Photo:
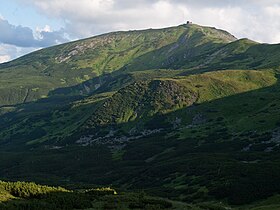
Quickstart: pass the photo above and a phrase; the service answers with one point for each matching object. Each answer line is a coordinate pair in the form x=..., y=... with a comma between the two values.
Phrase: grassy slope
x=72, y=63
x=33, y=76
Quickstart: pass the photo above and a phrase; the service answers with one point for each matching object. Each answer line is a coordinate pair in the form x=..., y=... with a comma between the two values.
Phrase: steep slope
x=189, y=50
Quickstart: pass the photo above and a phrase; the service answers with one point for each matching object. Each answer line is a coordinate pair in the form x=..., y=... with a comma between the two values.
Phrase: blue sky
x=26, y=15
x=28, y=25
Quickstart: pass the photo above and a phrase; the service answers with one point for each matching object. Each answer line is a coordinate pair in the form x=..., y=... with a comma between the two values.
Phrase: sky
x=28, y=25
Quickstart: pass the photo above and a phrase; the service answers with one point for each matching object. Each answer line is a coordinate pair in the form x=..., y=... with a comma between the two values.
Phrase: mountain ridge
x=78, y=71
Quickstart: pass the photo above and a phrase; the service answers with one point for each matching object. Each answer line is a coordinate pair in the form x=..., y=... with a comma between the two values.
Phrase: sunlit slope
x=33, y=76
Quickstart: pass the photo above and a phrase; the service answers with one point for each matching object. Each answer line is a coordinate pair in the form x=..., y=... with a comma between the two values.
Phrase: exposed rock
x=199, y=119
x=83, y=47
x=112, y=141
x=275, y=139
x=177, y=122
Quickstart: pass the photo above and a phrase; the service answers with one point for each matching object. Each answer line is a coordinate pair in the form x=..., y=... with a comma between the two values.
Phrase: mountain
x=33, y=76
x=188, y=113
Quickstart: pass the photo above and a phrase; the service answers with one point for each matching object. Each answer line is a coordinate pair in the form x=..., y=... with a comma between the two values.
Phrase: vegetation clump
x=101, y=191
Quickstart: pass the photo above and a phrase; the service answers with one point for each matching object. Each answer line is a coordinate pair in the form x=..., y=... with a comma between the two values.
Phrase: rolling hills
x=188, y=113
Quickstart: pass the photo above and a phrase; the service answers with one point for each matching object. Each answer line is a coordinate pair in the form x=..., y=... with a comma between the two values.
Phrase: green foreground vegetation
x=24, y=195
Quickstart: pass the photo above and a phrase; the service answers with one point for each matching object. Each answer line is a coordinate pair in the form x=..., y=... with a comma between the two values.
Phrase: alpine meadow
x=184, y=117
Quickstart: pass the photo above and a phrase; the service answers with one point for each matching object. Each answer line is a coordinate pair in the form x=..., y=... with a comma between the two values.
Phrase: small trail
x=26, y=95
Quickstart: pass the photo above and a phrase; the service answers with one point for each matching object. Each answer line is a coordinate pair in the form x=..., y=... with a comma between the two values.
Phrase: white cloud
x=24, y=36
x=4, y=58
x=9, y=52
x=38, y=31
x=89, y=17
x=252, y=18
x=47, y=28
